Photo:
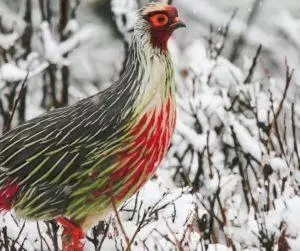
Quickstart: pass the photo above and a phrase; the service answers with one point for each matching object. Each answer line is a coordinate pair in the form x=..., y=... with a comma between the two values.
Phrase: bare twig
x=21, y=93
x=254, y=63
x=294, y=134
x=19, y=234
x=273, y=124
x=288, y=78
x=26, y=44
x=225, y=34
x=65, y=72
x=42, y=10
x=140, y=226
x=241, y=40
x=105, y=234
x=42, y=237
x=113, y=202
x=241, y=170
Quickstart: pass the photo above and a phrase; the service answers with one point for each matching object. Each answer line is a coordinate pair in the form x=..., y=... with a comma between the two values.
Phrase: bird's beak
x=178, y=23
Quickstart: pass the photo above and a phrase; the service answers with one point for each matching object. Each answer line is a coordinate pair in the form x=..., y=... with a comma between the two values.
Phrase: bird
x=72, y=164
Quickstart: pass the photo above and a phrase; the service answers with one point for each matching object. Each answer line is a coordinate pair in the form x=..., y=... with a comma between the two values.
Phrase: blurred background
x=231, y=180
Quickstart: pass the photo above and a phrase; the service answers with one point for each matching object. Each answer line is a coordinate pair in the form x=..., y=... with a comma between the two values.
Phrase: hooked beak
x=178, y=23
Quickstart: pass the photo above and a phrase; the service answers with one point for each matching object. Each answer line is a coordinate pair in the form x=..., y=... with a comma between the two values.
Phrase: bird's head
x=158, y=20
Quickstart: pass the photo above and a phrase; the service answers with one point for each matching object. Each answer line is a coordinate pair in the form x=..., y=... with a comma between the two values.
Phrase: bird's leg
x=72, y=237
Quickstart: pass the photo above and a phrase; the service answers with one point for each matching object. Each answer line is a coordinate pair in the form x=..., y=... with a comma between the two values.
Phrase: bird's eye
x=159, y=19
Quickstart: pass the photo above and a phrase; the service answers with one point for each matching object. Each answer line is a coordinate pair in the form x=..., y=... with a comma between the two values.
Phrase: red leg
x=72, y=237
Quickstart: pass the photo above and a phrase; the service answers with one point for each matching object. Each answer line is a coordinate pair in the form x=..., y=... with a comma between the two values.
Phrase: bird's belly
x=93, y=218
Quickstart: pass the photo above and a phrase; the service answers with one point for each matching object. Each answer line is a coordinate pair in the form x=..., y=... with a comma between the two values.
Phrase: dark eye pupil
x=161, y=19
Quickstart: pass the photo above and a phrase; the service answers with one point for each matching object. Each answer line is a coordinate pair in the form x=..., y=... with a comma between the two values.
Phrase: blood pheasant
x=67, y=164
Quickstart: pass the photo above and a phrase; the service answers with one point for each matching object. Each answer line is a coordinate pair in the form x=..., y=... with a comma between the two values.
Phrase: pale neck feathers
x=155, y=72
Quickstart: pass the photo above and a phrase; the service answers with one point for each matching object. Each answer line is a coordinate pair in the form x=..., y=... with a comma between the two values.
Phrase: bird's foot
x=72, y=237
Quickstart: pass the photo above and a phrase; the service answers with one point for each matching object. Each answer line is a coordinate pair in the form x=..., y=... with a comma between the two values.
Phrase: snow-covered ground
x=231, y=178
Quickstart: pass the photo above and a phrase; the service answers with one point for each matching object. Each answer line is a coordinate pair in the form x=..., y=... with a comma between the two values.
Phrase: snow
x=10, y=20
x=11, y=73
x=224, y=163
x=51, y=46
x=71, y=27
x=291, y=216
x=248, y=143
x=218, y=247
x=8, y=40
x=80, y=37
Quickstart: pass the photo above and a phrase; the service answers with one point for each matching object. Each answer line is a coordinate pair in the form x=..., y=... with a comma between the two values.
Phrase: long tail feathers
x=7, y=195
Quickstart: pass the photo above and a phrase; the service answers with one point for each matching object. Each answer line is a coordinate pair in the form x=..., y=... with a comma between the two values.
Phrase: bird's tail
x=7, y=195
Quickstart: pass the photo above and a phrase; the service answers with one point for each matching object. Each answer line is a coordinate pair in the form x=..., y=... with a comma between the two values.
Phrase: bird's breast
x=150, y=139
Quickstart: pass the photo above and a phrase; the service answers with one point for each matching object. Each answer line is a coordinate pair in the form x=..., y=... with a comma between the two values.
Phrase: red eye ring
x=159, y=19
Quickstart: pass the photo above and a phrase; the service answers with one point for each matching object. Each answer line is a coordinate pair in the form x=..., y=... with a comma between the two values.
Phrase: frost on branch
x=231, y=178
x=236, y=145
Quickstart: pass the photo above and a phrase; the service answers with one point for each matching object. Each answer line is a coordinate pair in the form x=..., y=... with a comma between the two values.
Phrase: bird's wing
x=53, y=147
x=51, y=156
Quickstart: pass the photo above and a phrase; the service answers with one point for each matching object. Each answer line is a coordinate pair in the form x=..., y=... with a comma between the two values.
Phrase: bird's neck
x=153, y=70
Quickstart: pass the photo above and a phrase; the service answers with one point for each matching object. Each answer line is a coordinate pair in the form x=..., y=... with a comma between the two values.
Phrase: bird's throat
x=160, y=38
